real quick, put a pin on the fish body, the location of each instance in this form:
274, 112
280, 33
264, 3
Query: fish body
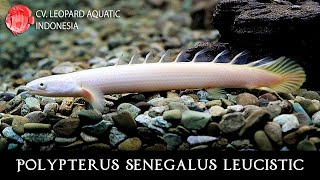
18, 19
281, 75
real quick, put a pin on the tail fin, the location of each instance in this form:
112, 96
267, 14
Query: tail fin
292, 75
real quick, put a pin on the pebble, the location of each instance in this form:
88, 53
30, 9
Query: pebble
178, 106
13, 103
130, 144
256, 119
192, 140
96, 147
66, 106
3, 144
173, 116
116, 136
36, 116
286, 107
188, 101
262, 141
294, 137
156, 147
269, 97
156, 111
125, 122
310, 95
98, 129
10, 134
25, 110
33, 103
306, 145
217, 111
235, 108
202, 95
37, 127
316, 119
7, 120
160, 122
213, 129
299, 109
274, 132
232, 122
13, 146
195, 120
303, 119
199, 147
50, 109
172, 140
38, 137
144, 119
146, 134
310, 106
67, 127
247, 99
143, 106
241, 144
63, 140
88, 138
209, 104
17, 124
46, 100
274, 110
89, 116
132, 109
287, 122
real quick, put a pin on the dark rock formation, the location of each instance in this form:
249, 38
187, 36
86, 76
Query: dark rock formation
278, 28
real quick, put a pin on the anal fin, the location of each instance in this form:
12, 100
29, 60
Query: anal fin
94, 96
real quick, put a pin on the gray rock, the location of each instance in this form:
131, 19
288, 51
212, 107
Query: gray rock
192, 140
232, 122
33, 104
173, 116
178, 106
217, 111
262, 141
195, 120
288, 122
241, 144
13, 103
125, 122
188, 100
156, 111
299, 109
98, 129
89, 116
247, 99
235, 108
25, 110
10, 134
274, 110
46, 100
172, 140
274, 132
51, 109
316, 119
160, 122
88, 138
36, 116
67, 127
306, 145
37, 127
38, 137
202, 95
66, 106
132, 109
116, 136
63, 140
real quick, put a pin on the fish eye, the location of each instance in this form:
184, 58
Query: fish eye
42, 86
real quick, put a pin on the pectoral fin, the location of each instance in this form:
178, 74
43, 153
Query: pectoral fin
94, 96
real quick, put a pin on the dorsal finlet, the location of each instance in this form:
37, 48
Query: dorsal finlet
165, 57
180, 57
240, 58
120, 61
149, 57
134, 59
261, 62
223, 57
197, 58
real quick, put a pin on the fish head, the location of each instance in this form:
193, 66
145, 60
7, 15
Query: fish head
56, 85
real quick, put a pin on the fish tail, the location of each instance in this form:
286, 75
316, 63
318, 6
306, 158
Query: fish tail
291, 75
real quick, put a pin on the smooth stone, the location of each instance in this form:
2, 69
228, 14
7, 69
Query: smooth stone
217, 111
226, 103
295, 136
67, 127
274, 132
316, 119
235, 108
310, 106
33, 103
156, 147
38, 137
231, 123
130, 144
132, 109
13, 146
156, 111
303, 119
17, 124
187, 100
88, 138
202, 95
89, 117
96, 147
146, 134
192, 140
25, 110
241, 144
172, 140
274, 110
213, 129
7, 120
37, 127
36, 116
66, 106
144, 106
98, 129
178, 106
143, 119
125, 122
254, 121
306, 145
287, 122
199, 147
195, 120
209, 104
63, 140
262, 141
47, 100
3, 144
158, 101
310, 95
286, 107
247, 99
14, 102
269, 97
51, 109
299, 109
160, 122
116, 136
10, 134
173, 116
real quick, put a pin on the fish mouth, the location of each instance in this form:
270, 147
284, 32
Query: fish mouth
35, 91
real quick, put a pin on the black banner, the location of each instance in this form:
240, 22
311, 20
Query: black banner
191, 163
